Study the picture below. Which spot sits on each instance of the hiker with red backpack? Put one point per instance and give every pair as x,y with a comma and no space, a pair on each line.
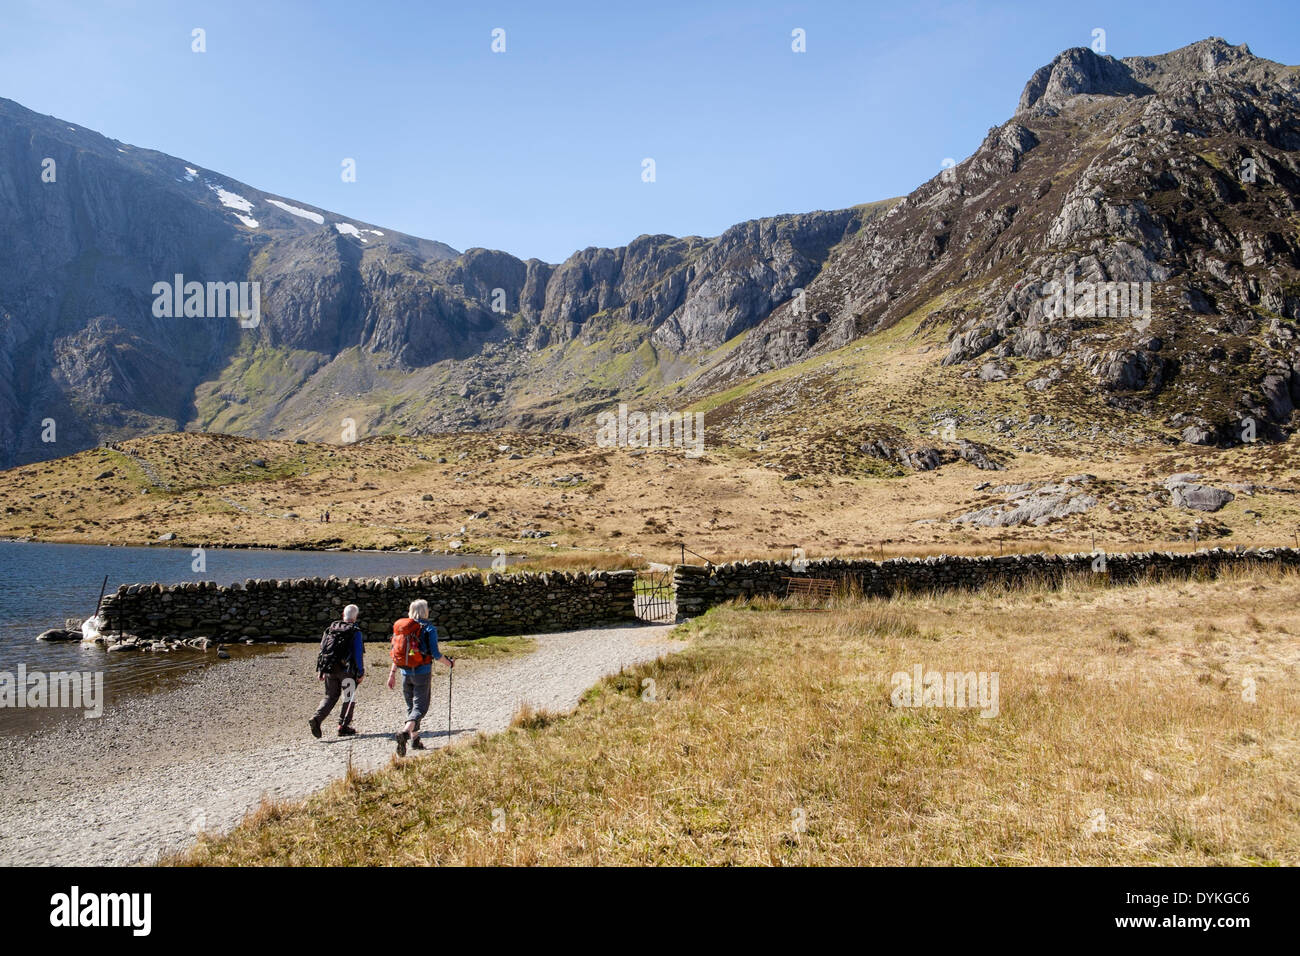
341,664
415,648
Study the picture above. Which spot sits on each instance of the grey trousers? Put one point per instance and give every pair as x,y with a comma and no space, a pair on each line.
415,691
335,685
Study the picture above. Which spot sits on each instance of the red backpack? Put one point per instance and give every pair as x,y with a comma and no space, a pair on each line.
406,651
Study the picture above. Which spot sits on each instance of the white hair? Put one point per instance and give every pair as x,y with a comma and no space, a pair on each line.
419,609
350,613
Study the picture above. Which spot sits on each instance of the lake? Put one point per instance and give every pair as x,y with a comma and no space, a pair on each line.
42,584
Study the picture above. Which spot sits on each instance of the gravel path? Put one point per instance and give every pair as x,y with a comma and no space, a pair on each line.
140,781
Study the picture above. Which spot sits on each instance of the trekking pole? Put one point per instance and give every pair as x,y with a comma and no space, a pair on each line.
451,672
102,588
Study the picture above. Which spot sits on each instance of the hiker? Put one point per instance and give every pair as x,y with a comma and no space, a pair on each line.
341,664
415,648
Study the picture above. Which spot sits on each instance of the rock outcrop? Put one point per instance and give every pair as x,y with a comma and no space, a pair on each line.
1128,228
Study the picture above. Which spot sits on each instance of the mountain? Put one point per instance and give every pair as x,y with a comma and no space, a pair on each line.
1176,170
355,321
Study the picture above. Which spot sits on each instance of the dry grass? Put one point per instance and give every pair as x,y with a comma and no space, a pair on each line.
562,561
578,561
1123,736
526,717
607,508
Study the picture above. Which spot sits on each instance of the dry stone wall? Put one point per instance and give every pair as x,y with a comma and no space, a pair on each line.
464,605
699,588
470,605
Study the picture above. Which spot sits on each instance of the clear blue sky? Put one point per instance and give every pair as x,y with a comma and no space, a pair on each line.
538,150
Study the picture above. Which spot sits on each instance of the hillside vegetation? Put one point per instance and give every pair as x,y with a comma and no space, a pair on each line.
870,447
809,486
1152,724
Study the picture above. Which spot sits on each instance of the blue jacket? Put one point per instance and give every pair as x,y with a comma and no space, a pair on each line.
428,644
359,653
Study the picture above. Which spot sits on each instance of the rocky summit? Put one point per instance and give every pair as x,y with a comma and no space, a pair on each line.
1122,253
1160,191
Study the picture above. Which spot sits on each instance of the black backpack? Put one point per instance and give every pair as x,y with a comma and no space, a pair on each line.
336,648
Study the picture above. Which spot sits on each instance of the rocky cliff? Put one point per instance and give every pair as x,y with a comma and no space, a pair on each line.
1175,177
350,314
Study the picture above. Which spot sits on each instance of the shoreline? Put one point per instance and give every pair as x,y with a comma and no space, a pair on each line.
898,549
158,768
228,546
126,682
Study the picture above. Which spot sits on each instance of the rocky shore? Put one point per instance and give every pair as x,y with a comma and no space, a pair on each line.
120,642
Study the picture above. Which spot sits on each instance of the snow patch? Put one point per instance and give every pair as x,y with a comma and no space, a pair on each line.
295,211
232,200
190,173
349,230
248,221
375,231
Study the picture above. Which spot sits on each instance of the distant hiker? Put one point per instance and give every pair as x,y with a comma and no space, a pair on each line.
341,664
415,648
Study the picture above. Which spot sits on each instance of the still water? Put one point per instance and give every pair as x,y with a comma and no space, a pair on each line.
42,584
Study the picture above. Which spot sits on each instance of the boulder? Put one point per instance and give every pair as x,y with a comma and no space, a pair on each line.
1038,506
1198,434
1124,370
1200,497
1277,393
925,458
990,372
978,455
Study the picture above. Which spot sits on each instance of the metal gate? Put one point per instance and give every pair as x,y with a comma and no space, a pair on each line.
654,598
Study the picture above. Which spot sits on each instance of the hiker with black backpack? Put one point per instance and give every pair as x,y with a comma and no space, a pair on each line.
415,648
341,664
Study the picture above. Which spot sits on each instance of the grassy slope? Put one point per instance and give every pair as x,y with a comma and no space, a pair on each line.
770,716
730,502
